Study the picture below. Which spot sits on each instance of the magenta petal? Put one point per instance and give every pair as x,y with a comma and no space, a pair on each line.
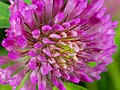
32,53
42,85
70,6
66,75
45,69
48,8
75,21
73,33
59,17
4,76
74,79
56,54
58,5
94,20
47,41
61,86
94,6
95,75
46,29
101,12
38,45
22,42
41,58
14,55
12,69
11,1
16,24
47,52
40,7
36,33
28,15
58,28
85,77
8,44
15,81
34,1
28,86
58,83
33,77
14,7
56,36
32,63
56,72
52,60
54,80
66,25
78,10
4,59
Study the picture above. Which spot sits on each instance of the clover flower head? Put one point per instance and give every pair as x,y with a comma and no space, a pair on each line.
51,41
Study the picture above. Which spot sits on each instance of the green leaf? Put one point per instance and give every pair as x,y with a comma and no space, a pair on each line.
4,15
6,1
71,86
114,68
3,51
28,1
5,87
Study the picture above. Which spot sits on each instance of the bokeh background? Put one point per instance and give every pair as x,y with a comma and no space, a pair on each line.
110,80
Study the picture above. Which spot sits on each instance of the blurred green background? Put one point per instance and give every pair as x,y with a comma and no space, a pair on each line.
110,80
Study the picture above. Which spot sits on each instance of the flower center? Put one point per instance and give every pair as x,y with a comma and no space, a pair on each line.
57,45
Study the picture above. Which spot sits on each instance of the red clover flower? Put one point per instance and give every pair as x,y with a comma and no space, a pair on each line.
52,41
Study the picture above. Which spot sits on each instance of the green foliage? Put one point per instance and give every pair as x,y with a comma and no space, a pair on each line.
71,86
114,68
5,87
4,15
3,52
28,1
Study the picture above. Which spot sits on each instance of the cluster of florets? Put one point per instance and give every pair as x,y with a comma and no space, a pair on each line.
51,41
